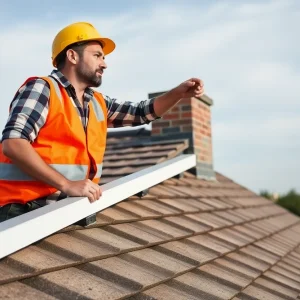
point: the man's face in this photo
(91, 65)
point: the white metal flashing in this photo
(31, 227)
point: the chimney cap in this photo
(206, 100)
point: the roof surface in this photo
(124, 156)
(186, 239)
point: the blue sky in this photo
(247, 53)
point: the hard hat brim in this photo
(108, 45)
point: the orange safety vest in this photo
(62, 143)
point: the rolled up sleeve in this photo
(127, 113)
(28, 112)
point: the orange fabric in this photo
(61, 141)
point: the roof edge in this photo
(112, 193)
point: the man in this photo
(55, 137)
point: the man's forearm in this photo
(165, 102)
(27, 159)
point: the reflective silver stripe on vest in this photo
(98, 110)
(99, 170)
(71, 172)
(57, 89)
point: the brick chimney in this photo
(190, 118)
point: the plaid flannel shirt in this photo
(29, 110)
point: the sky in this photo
(246, 52)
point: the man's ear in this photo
(72, 56)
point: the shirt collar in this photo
(66, 83)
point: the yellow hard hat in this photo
(79, 32)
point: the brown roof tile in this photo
(237, 266)
(11, 269)
(190, 182)
(230, 202)
(291, 262)
(138, 232)
(261, 254)
(169, 291)
(283, 269)
(159, 207)
(214, 243)
(258, 233)
(103, 220)
(141, 146)
(283, 241)
(130, 156)
(118, 214)
(249, 260)
(161, 192)
(163, 227)
(17, 290)
(211, 220)
(259, 292)
(261, 226)
(280, 289)
(170, 190)
(62, 250)
(134, 162)
(187, 223)
(215, 203)
(137, 208)
(33, 260)
(74, 283)
(185, 205)
(229, 234)
(171, 182)
(213, 286)
(268, 245)
(190, 175)
(289, 236)
(253, 201)
(99, 237)
(121, 171)
(188, 191)
(291, 283)
(248, 231)
(228, 215)
(191, 250)
(295, 253)
(79, 243)
(246, 213)
(150, 256)
(128, 267)
(199, 204)
(220, 272)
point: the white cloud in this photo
(246, 53)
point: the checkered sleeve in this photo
(29, 110)
(128, 113)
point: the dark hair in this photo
(61, 57)
(77, 47)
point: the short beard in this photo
(87, 76)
